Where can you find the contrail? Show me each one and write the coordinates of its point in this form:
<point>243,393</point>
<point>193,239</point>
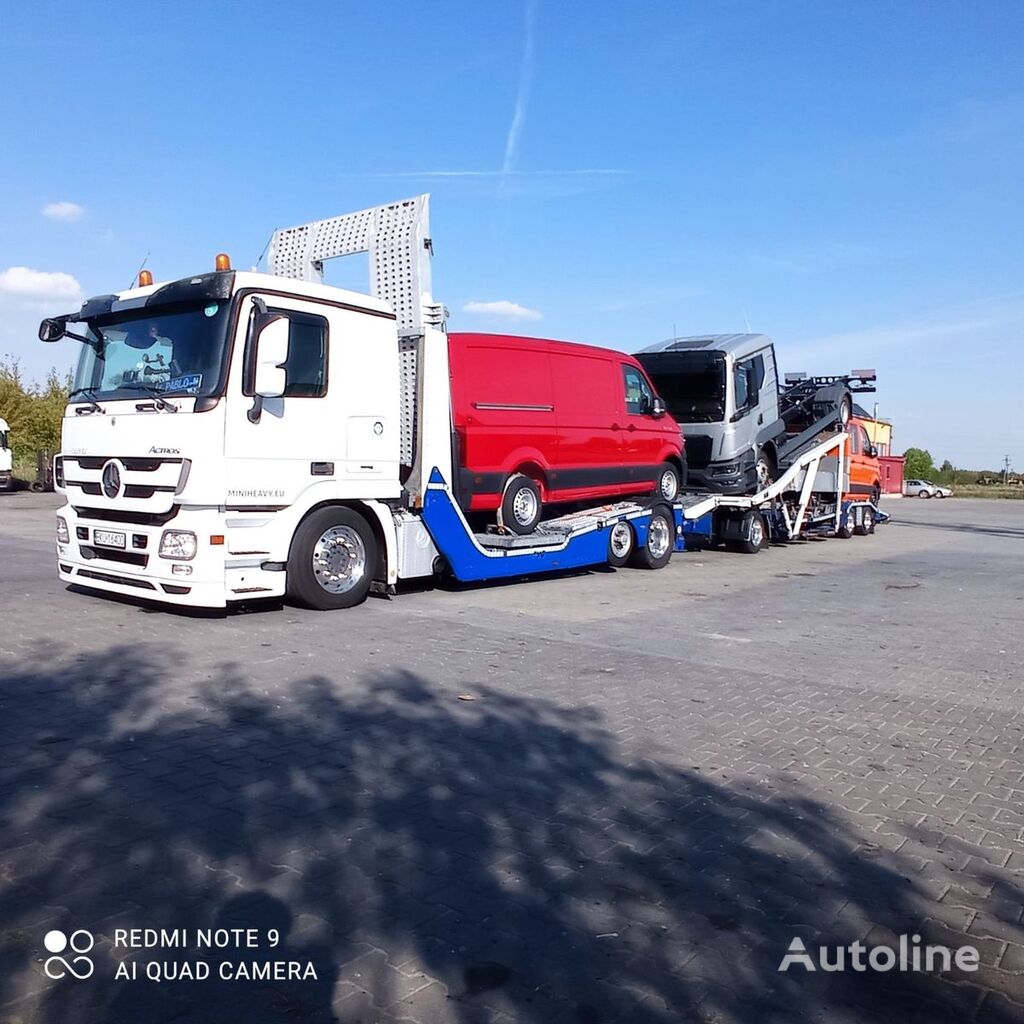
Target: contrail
<point>522,96</point>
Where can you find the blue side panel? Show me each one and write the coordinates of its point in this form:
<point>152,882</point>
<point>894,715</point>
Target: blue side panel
<point>471,562</point>
<point>692,530</point>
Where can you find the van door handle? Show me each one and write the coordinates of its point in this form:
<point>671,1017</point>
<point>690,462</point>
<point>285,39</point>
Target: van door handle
<point>632,426</point>
<point>616,426</point>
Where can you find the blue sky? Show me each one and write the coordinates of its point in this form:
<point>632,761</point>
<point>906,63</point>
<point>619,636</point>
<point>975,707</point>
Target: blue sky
<point>844,177</point>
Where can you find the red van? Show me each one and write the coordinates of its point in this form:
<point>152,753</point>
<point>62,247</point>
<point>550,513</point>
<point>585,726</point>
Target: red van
<point>540,421</point>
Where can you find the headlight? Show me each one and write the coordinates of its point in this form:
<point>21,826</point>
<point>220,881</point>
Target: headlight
<point>62,531</point>
<point>178,544</point>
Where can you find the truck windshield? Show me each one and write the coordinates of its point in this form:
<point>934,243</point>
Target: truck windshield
<point>691,383</point>
<point>178,350</point>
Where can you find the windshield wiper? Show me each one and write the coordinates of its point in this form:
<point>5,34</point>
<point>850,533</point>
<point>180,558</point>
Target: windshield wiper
<point>151,389</point>
<point>90,398</point>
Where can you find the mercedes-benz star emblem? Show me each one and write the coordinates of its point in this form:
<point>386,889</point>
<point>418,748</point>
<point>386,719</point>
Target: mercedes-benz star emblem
<point>111,478</point>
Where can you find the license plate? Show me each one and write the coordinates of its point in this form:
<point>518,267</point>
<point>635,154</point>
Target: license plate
<point>108,538</point>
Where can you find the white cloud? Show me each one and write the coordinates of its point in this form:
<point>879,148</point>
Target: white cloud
<point>33,286</point>
<point>64,211</point>
<point>502,309</point>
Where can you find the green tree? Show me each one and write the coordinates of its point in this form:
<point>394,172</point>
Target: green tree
<point>918,463</point>
<point>33,411</point>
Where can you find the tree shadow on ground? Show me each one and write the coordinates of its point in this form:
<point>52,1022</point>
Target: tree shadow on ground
<point>495,860</point>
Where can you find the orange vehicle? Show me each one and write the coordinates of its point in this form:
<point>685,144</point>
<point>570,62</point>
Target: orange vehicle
<point>865,470</point>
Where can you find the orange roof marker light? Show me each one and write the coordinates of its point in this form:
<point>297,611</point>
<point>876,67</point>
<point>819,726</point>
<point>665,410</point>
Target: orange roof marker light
<point>145,278</point>
<point>222,262</point>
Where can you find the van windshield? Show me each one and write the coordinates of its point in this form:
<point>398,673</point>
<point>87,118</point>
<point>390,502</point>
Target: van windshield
<point>176,350</point>
<point>691,383</point>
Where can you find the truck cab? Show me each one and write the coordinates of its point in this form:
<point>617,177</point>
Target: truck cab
<point>722,389</point>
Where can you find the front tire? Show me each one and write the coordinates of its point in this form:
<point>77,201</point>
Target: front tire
<point>521,504</point>
<point>764,469</point>
<point>332,560</point>
<point>657,549</point>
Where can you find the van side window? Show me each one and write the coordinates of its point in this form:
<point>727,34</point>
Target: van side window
<point>639,400</point>
<point>305,368</point>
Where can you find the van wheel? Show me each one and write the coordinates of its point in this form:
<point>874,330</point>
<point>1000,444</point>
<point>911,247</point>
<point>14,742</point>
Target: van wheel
<point>754,527</point>
<point>876,494</point>
<point>332,560</point>
<point>867,522</point>
<point>657,550</point>
<point>845,411</point>
<point>621,541</point>
<point>764,469</point>
<point>668,482</point>
<point>521,504</point>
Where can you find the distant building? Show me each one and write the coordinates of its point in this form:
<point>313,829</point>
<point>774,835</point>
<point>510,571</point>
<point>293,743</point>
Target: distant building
<point>879,431</point>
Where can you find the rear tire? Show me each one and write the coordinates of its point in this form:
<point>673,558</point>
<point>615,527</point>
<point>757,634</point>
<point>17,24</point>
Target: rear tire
<point>845,411</point>
<point>332,560</point>
<point>621,542</point>
<point>521,504</point>
<point>757,531</point>
<point>657,550</point>
<point>846,531</point>
<point>924,494</point>
<point>867,526</point>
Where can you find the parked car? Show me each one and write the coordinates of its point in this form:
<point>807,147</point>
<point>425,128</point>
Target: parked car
<point>542,422</point>
<point>740,424</point>
<point>865,470</point>
<point>925,489</point>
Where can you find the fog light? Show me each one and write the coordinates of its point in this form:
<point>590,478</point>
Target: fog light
<point>179,545</point>
<point>63,537</point>
<point>181,570</point>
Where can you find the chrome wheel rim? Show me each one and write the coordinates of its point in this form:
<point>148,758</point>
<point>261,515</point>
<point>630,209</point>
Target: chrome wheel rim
<point>524,506</point>
<point>621,540</point>
<point>669,486</point>
<point>339,559</point>
<point>659,537</point>
<point>757,531</point>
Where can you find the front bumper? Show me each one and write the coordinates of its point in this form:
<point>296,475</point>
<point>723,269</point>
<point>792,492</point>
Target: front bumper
<point>210,580</point>
<point>736,477</point>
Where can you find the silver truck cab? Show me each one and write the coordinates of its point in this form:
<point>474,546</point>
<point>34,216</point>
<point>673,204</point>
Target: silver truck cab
<point>723,390</point>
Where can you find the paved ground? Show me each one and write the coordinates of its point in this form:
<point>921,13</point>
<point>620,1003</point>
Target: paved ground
<point>662,779</point>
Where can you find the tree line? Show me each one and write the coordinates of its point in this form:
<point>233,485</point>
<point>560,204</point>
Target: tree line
<point>33,412</point>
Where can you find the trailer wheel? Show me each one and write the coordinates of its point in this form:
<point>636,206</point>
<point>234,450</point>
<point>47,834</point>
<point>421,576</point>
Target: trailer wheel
<point>621,541</point>
<point>520,505</point>
<point>867,522</point>
<point>846,530</point>
<point>755,529</point>
<point>332,560</point>
<point>657,550</point>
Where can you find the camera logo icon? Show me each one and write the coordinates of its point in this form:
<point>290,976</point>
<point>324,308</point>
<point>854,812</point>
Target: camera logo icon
<point>76,964</point>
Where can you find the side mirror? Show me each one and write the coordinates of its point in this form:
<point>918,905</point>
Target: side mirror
<point>658,407</point>
<point>271,355</point>
<point>872,452</point>
<point>52,329</point>
<point>270,331</point>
